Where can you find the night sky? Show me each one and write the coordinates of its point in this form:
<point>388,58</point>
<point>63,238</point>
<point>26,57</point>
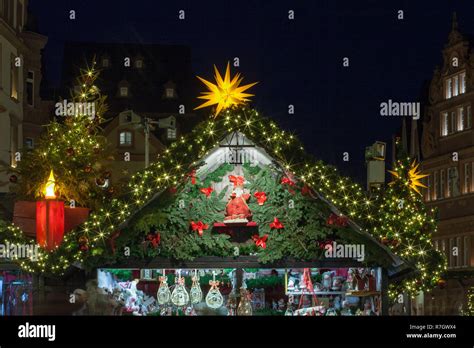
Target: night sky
<point>297,62</point>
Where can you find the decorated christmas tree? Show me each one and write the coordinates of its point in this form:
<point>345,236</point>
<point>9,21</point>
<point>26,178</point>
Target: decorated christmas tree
<point>72,147</point>
<point>406,226</point>
<point>470,303</point>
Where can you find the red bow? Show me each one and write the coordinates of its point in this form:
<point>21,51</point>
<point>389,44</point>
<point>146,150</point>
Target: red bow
<point>154,239</point>
<point>261,197</point>
<point>337,220</point>
<point>287,181</point>
<point>236,180</point>
<point>192,175</point>
<point>207,191</point>
<point>276,224</point>
<point>260,241</point>
<point>199,226</point>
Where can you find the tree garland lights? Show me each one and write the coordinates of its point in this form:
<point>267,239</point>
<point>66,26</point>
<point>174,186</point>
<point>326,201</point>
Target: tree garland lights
<point>377,213</point>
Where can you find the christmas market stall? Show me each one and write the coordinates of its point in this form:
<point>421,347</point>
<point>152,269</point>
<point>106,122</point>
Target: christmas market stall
<point>236,218</point>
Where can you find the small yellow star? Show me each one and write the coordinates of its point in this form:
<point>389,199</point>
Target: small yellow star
<point>414,177</point>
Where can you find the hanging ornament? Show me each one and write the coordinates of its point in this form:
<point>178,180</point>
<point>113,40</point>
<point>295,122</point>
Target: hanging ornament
<point>232,304</point>
<point>70,151</point>
<point>199,226</point>
<point>83,243</point>
<point>261,197</point>
<point>337,220</point>
<point>260,241</point>
<point>154,239</point>
<point>276,224</point>
<point>207,191</point>
<point>163,295</point>
<point>179,296</point>
<point>88,169</point>
<point>13,179</point>
<point>195,292</point>
<point>245,307</point>
<point>287,181</point>
<point>214,297</point>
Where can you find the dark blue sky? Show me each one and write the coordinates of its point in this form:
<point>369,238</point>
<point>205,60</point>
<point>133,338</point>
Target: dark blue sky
<point>297,62</point>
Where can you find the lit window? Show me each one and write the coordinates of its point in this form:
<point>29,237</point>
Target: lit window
<point>444,124</point>
<point>29,143</point>
<point>461,119</point>
<point>30,87</point>
<point>463,83</point>
<point>455,85</point>
<point>139,63</point>
<point>13,78</point>
<point>449,89</point>
<point>123,91</point>
<point>467,177</point>
<point>169,93</point>
<point>126,138</point>
<point>171,134</point>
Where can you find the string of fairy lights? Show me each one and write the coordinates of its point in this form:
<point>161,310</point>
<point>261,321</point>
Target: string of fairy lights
<point>379,213</point>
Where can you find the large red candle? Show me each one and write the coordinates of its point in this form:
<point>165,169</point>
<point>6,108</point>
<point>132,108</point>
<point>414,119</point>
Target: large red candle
<point>49,223</point>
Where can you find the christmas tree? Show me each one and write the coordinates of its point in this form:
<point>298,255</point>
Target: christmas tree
<point>470,303</point>
<point>72,147</point>
<point>406,226</point>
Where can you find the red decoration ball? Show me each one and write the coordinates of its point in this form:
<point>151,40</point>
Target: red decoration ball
<point>83,247</point>
<point>88,169</point>
<point>70,151</point>
<point>13,178</point>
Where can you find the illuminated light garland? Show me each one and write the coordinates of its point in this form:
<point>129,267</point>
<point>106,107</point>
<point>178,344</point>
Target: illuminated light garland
<point>349,198</point>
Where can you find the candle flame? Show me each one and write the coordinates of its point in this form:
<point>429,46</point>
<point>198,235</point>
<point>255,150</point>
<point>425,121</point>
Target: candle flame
<point>49,187</point>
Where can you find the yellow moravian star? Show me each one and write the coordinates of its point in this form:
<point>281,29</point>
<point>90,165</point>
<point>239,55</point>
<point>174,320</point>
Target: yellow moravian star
<point>226,92</point>
<point>414,177</point>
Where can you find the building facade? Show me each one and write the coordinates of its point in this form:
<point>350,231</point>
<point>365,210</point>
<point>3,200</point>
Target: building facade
<point>22,112</point>
<point>448,158</point>
<point>150,80</point>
